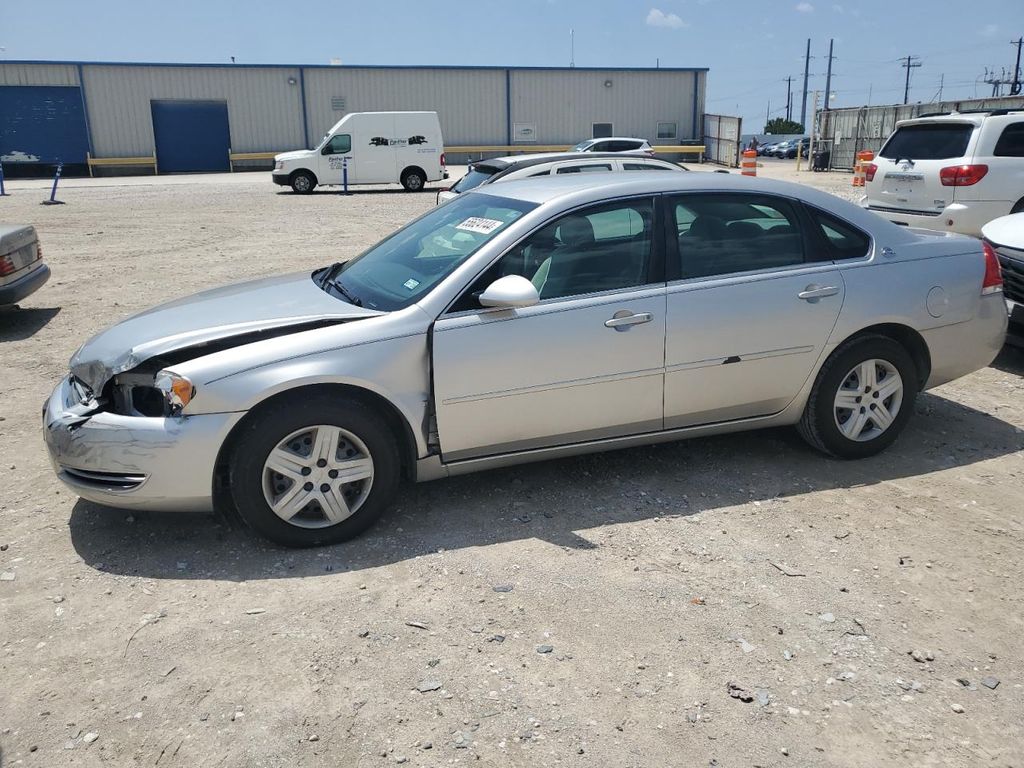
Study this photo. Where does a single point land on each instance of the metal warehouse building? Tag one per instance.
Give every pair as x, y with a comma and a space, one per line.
189, 117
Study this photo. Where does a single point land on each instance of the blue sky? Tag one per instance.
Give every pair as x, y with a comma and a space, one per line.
750, 47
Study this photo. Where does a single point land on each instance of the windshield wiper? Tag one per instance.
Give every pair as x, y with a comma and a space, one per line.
352, 298
327, 278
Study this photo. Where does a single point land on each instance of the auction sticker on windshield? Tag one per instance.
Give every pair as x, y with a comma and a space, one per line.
479, 224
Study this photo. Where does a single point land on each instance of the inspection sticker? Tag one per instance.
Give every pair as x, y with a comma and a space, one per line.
411, 283
477, 224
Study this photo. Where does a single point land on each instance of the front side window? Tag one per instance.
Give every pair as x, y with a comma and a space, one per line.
722, 234
602, 248
1011, 142
666, 130
928, 141
338, 145
591, 168
404, 267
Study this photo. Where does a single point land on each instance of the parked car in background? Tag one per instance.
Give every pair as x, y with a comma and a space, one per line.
782, 148
1006, 236
22, 270
524, 321
615, 144
803, 145
767, 149
515, 167
369, 148
953, 172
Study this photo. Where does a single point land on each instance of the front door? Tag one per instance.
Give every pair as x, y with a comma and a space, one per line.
583, 364
750, 312
336, 159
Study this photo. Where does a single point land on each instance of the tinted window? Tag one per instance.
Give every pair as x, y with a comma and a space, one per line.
601, 130
1011, 143
644, 167
934, 141
584, 168
845, 240
603, 248
477, 175
624, 146
719, 234
339, 145
666, 130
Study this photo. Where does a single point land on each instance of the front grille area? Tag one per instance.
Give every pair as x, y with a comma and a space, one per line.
1012, 262
115, 481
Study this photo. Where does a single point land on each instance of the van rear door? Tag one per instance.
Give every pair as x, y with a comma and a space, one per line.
908, 165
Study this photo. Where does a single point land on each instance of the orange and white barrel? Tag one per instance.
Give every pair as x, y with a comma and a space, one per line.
748, 166
864, 157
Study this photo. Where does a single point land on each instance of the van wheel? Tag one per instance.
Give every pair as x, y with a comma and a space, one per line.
413, 179
862, 398
303, 182
314, 471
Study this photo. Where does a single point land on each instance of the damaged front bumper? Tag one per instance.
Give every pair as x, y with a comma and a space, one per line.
136, 462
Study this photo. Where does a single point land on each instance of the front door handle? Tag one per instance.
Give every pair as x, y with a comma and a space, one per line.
813, 292
624, 319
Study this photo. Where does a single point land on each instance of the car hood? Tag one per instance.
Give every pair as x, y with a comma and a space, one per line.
243, 311
1006, 230
295, 154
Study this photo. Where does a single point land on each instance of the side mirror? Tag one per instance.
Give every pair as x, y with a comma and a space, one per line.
510, 292
326, 150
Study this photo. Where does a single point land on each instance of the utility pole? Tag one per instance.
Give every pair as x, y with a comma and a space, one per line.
942, 81
1016, 84
828, 76
789, 97
807, 71
909, 63
767, 115
572, 48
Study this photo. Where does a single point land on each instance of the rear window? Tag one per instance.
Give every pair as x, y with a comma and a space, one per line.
477, 175
934, 141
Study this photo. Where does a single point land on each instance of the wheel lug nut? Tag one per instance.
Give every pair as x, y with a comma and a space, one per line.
862, 409
325, 488
321, 463
306, 470
307, 487
332, 474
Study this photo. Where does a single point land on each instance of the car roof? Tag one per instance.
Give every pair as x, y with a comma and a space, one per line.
616, 138
571, 190
525, 161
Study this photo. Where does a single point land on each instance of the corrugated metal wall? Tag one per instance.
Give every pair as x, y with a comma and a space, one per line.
564, 104
470, 103
868, 127
264, 109
38, 74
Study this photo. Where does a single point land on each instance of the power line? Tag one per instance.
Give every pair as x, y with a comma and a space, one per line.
909, 63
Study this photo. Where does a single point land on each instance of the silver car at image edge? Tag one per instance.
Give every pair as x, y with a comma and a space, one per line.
555, 317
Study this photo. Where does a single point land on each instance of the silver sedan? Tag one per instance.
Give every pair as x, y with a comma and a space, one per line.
554, 317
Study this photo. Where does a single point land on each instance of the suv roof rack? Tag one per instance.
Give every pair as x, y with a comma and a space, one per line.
989, 112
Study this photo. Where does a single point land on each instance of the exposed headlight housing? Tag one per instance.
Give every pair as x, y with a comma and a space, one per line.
177, 390
278, 165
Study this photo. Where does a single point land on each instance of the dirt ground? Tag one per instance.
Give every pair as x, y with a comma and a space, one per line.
658, 577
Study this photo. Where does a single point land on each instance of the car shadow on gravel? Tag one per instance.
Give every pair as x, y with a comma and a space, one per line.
555, 501
1010, 360
18, 324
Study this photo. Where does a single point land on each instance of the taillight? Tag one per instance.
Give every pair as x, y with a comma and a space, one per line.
870, 169
962, 175
6, 266
993, 282
443, 162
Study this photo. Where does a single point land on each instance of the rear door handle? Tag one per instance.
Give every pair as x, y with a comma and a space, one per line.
624, 319
813, 292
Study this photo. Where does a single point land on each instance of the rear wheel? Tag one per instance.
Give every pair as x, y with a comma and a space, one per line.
314, 471
862, 398
413, 179
303, 182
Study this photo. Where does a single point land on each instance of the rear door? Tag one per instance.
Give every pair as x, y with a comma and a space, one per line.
907, 178
374, 146
1001, 148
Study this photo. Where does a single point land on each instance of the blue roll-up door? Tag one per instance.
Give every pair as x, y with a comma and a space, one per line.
191, 136
42, 124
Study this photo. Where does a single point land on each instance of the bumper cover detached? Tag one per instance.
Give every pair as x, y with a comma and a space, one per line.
133, 462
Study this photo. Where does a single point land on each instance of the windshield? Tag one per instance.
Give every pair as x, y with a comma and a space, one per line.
477, 175
932, 141
582, 145
404, 267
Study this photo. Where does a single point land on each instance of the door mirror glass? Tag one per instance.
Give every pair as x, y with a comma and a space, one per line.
510, 292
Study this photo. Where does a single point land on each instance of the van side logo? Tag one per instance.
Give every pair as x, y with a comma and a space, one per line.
380, 141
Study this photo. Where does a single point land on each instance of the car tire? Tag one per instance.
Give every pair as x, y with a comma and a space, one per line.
289, 436
1018, 207
303, 182
862, 398
413, 180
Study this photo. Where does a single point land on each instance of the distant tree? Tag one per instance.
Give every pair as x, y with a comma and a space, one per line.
780, 125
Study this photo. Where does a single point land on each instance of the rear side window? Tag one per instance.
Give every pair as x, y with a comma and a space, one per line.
845, 241
593, 167
1011, 143
624, 146
721, 234
644, 167
933, 141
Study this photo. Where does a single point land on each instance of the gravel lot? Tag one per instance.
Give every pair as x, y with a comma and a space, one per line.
582, 612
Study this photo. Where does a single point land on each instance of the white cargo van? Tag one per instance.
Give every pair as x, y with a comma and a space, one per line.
375, 147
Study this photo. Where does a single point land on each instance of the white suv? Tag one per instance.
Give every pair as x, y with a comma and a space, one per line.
615, 144
953, 172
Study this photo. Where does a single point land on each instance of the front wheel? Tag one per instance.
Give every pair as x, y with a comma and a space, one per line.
314, 471
862, 398
303, 182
